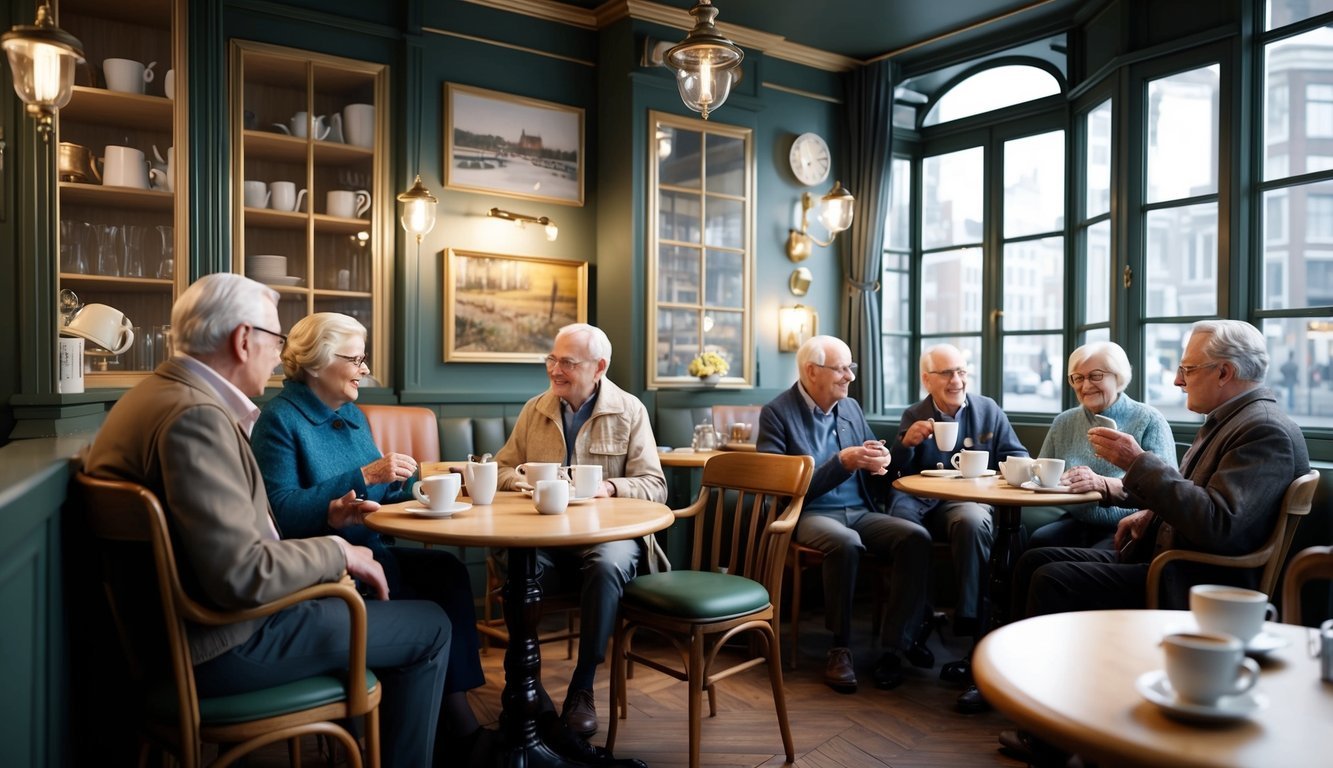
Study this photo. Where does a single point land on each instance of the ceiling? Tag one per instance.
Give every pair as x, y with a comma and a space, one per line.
868, 29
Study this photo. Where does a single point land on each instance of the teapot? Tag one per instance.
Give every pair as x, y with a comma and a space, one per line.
76, 162
298, 126
705, 438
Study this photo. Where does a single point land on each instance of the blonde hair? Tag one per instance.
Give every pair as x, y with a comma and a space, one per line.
313, 341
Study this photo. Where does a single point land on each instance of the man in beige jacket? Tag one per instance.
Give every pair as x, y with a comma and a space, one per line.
584, 418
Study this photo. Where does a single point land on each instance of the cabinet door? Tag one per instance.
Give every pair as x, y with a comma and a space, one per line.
315, 207
121, 213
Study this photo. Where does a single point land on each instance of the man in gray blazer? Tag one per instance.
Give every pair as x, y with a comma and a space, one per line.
816, 418
184, 434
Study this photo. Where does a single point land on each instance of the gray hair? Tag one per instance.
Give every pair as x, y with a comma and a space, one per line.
1236, 342
215, 305
929, 352
313, 341
595, 340
815, 350
1117, 362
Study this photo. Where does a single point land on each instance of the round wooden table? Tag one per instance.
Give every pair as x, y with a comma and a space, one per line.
1007, 501
1070, 679
511, 521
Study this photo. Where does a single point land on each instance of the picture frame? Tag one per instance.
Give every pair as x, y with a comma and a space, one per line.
500, 144
501, 308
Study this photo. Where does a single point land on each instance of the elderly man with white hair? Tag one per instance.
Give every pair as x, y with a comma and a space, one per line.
816, 418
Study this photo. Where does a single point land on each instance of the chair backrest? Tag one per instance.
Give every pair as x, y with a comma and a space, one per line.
1296, 504
406, 429
461, 436
1310, 563
745, 514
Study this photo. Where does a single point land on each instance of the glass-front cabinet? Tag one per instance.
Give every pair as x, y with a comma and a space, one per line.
122, 209
314, 216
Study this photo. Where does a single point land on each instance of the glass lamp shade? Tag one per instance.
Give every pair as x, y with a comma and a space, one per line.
42, 57
837, 209
705, 63
418, 216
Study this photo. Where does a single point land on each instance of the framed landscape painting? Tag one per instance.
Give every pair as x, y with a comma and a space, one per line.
514, 146
507, 309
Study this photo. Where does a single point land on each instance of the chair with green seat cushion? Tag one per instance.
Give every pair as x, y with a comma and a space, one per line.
130, 530
742, 522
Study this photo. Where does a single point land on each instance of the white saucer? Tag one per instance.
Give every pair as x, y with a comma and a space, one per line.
1154, 687
457, 506
1031, 486
941, 473
581, 500
1265, 643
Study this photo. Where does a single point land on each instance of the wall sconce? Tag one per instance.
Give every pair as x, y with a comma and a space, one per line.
796, 325
522, 220
42, 57
835, 212
706, 63
418, 216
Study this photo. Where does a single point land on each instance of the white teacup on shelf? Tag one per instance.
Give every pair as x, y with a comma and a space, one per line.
347, 203
284, 196
127, 75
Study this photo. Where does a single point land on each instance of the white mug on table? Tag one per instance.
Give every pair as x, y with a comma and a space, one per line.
587, 479
551, 497
480, 478
534, 472
970, 463
1047, 472
438, 492
1204, 666
1230, 610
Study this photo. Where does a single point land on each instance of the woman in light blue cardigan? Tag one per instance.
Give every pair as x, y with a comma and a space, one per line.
1098, 373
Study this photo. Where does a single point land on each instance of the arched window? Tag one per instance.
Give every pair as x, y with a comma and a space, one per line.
992, 89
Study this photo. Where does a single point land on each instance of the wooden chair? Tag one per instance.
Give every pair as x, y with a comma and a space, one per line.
127, 522
1296, 503
732, 588
1309, 563
405, 429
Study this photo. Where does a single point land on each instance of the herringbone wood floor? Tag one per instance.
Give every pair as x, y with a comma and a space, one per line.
912, 726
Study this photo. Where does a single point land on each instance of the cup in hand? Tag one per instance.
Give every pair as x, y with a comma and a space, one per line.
1205, 666
480, 478
551, 497
970, 463
539, 471
1016, 470
587, 479
1047, 472
1230, 610
438, 492
946, 435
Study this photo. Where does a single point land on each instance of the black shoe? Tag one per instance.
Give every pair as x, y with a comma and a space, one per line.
959, 671
971, 702
1025, 746
888, 673
920, 656
570, 746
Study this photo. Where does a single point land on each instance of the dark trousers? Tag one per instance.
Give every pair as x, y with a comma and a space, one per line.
1060, 579
438, 576
407, 643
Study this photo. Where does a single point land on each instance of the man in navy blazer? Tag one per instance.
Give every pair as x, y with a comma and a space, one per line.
816, 418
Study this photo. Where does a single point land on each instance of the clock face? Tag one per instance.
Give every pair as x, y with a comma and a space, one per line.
809, 159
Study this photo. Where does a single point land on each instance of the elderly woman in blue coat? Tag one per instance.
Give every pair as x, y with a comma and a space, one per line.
1099, 371
324, 474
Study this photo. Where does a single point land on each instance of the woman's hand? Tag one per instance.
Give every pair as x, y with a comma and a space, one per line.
1082, 480
389, 468
348, 510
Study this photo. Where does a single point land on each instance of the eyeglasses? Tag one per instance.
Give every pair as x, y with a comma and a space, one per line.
357, 360
1095, 376
563, 363
949, 373
841, 370
281, 337
1185, 370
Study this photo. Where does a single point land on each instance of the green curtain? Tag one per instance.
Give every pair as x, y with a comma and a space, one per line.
869, 152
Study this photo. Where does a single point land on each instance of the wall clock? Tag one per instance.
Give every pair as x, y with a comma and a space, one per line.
809, 159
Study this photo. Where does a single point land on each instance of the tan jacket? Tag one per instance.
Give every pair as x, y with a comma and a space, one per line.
171, 434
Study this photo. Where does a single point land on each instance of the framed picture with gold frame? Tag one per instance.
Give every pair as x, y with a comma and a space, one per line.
507, 309
515, 146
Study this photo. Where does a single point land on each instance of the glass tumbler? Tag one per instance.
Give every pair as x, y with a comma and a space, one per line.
110, 250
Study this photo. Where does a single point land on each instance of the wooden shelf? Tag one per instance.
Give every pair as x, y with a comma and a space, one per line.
337, 153
336, 225
133, 110
114, 284
269, 218
268, 145
131, 198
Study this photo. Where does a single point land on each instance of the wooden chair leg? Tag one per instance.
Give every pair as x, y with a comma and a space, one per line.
696, 681
779, 698
795, 609
619, 709
373, 738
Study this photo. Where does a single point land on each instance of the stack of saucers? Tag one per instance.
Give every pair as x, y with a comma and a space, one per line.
267, 269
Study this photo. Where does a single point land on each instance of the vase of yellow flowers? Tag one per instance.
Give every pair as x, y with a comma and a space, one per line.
709, 367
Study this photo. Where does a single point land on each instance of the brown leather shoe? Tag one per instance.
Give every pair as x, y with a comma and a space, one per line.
579, 713
840, 675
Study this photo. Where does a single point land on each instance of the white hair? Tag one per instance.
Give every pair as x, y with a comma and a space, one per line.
313, 341
1237, 342
930, 351
1117, 362
214, 306
595, 340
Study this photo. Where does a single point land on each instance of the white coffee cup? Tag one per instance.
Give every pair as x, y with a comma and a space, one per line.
283, 196
69, 366
1230, 610
438, 492
1016, 470
1047, 472
480, 478
359, 124
169, 84
127, 75
124, 167
1205, 666
256, 194
587, 479
551, 497
970, 463
105, 326
347, 203
539, 471
946, 435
